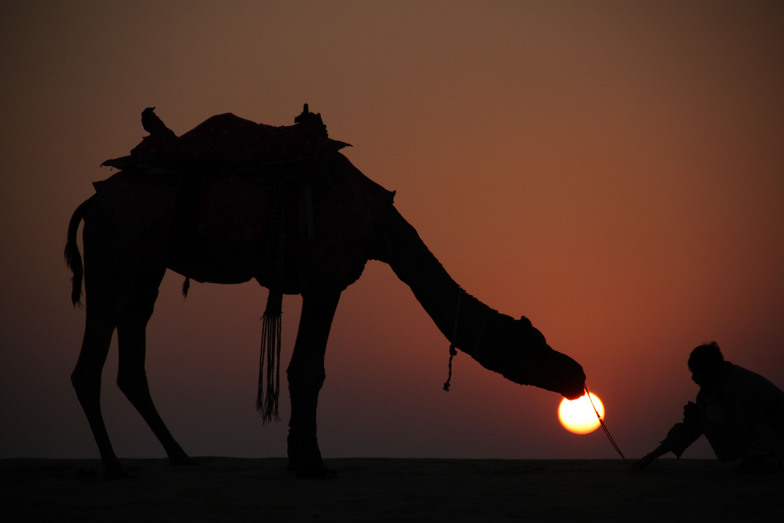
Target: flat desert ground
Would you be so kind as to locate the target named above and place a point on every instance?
(379, 490)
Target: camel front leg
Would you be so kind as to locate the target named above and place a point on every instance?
(306, 375)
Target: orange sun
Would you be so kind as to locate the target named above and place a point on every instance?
(578, 415)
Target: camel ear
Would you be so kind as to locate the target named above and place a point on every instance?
(525, 322)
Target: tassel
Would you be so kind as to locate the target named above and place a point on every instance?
(269, 362)
(452, 346)
(452, 354)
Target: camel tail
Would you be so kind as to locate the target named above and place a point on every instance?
(72, 256)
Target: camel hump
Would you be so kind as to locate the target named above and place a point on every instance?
(226, 140)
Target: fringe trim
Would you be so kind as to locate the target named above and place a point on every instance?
(269, 361)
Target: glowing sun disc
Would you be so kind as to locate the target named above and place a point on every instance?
(578, 415)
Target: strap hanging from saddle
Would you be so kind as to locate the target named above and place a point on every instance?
(269, 359)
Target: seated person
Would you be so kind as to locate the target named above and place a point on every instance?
(740, 413)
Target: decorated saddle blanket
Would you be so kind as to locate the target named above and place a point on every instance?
(226, 141)
(222, 229)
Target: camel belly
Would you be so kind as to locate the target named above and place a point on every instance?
(226, 230)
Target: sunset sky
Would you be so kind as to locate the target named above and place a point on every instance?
(614, 171)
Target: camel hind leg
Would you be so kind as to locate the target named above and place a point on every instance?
(131, 374)
(124, 304)
(86, 380)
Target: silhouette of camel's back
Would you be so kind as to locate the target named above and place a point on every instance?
(225, 142)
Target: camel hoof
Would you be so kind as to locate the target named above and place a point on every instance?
(317, 471)
(115, 474)
(305, 458)
(314, 469)
(181, 461)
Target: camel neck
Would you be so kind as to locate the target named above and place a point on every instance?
(462, 319)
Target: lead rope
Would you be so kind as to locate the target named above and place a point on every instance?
(604, 427)
(452, 347)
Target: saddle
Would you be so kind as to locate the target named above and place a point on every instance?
(228, 142)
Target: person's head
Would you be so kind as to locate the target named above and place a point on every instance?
(705, 363)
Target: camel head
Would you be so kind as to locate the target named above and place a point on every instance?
(523, 356)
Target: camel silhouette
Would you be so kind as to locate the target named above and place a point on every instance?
(232, 201)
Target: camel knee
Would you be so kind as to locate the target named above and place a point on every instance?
(131, 376)
(305, 380)
(133, 385)
(304, 387)
(86, 381)
(86, 376)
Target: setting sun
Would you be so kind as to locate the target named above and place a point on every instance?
(578, 415)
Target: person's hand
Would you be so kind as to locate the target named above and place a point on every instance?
(645, 461)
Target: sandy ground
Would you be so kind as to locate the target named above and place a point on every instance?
(226, 489)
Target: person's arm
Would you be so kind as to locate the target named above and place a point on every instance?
(652, 456)
(678, 439)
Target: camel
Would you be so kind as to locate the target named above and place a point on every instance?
(291, 212)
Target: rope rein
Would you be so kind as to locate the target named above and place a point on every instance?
(453, 353)
(605, 429)
(452, 346)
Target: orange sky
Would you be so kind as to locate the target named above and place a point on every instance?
(612, 170)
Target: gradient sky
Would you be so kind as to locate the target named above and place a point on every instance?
(612, 170)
